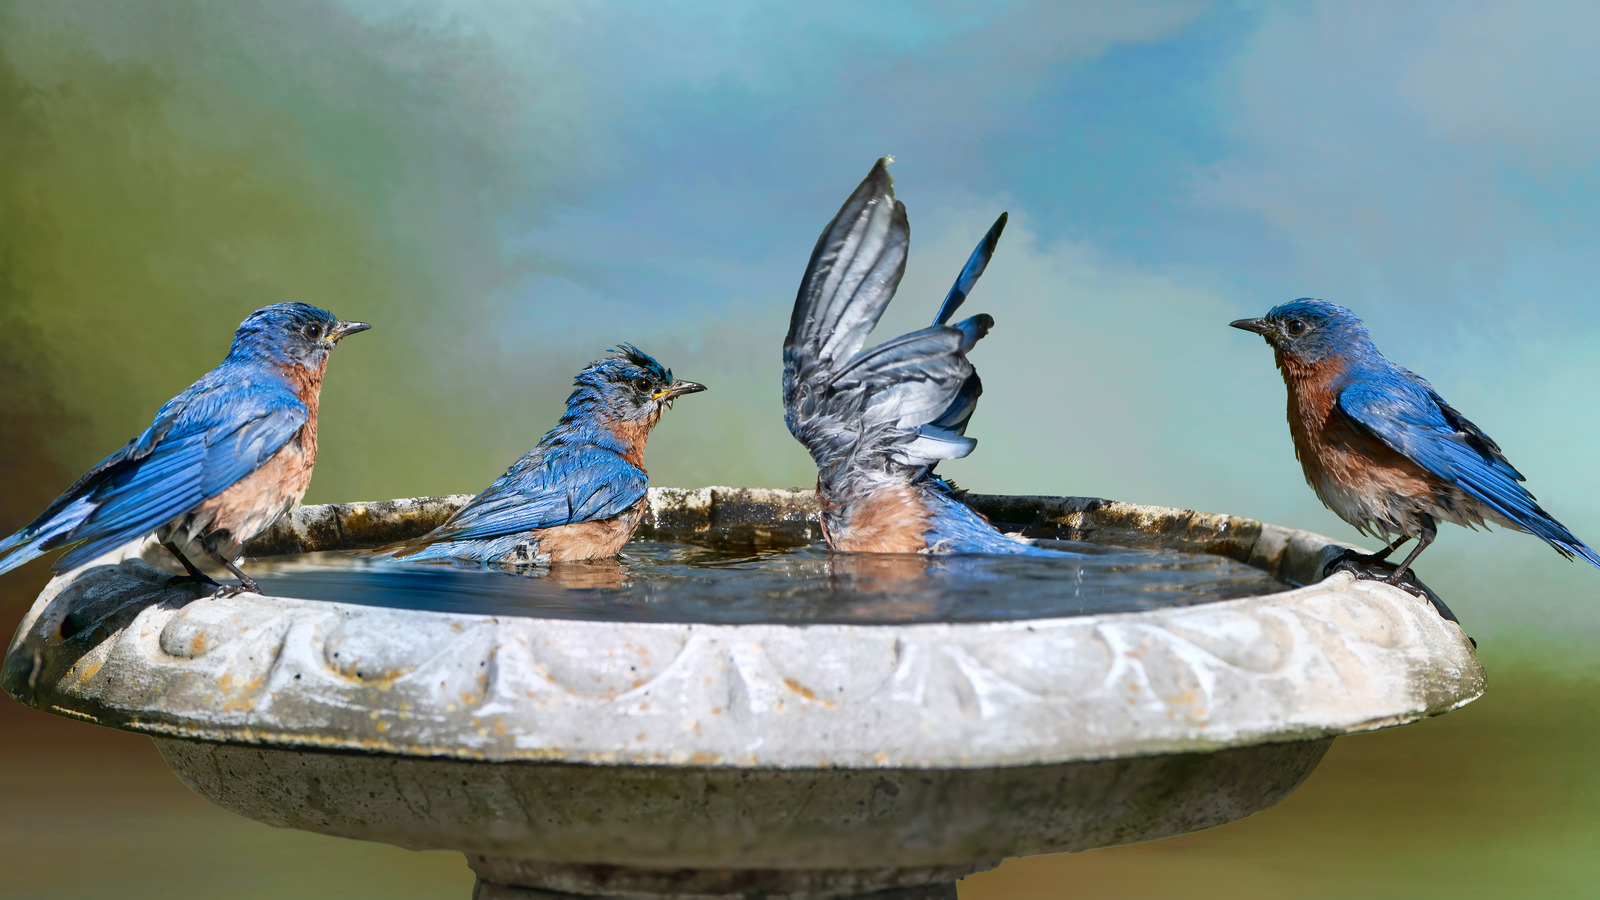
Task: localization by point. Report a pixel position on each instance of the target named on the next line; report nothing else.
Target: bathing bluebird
(1381, 448)
(878, 421)
(221, 462)
(581, 492)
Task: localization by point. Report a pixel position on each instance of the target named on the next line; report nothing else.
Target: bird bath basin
(632, 744)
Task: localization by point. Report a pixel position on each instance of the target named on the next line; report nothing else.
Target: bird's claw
(225, 591)
(1409, 585)
(1367, 568)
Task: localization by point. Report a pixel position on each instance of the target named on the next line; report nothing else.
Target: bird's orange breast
(591, 540)
(891, 520)
(1336, 454)
(251, 504)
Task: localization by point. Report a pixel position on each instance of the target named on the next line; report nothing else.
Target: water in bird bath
(733, 582)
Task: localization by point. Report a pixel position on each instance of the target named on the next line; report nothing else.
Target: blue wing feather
(202, 442)
(1401, 410)
(976, 263)
(551, 486)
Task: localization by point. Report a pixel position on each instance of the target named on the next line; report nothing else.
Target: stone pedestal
(604, 759)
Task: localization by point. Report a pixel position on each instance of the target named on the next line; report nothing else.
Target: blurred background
(506, 189)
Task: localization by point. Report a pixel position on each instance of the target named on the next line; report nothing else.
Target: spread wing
(550, 486)
(1404, 412)
(852, 276)
(976, 263)
(960, 411)
(891, 412)
(202, 442)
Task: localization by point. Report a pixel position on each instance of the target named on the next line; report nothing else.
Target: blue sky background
(506, 189)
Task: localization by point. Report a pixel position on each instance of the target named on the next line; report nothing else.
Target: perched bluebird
(581, 492)
(1381, 448)
(221, 462)
(878, 421)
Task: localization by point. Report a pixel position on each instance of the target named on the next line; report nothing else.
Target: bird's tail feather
(402, 549)
(1556, 535)
(1506, 496)
(40, 538)
(17, 550)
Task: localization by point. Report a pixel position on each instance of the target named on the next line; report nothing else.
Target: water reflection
(716, 582)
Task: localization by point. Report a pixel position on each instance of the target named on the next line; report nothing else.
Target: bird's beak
(1259, 326)
(344, 329)
(675, 390)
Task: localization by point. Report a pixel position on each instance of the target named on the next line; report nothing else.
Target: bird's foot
(1369, 567)
(1408, 583)
(1365, 566)
(225, 591)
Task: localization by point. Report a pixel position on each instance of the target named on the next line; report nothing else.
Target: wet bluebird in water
(1381, 448)
(581, 492)
(221, 462)
(878, 421)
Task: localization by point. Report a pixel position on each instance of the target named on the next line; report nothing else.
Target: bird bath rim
(1334, 657)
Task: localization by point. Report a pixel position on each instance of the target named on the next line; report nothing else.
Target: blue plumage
(976, 263)
(877, 421)
(580, 493)
(180, 478)
(1382, 448)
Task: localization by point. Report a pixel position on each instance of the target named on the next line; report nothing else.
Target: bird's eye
(310, 331)
(644, 385)
(1296, 327)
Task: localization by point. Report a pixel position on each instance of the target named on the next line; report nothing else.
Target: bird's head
(1308, 331)
(631, 387)
(296, 333)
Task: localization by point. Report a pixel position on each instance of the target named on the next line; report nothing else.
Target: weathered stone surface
(122, 648)
(825, 753)
(719, 830)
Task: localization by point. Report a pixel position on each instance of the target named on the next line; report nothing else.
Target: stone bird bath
(646, 759)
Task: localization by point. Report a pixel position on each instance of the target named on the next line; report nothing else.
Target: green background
(505, 190)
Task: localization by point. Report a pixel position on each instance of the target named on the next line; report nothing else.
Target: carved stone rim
(114, 646)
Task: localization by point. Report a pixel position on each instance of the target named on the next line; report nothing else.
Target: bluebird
(581, 492)
(1382, 449)
(221, 462)
(878, 421)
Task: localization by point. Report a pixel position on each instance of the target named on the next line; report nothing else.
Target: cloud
(1515, 77)
(1381, 168)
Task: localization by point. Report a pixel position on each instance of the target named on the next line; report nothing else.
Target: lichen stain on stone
(247, 700)
(382, 680)
(807, 693)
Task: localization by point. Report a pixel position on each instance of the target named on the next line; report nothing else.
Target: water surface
(662, 582)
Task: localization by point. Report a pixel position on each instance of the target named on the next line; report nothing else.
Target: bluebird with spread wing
(878, 421)
(1381, 448)
(221, 462)
(581, 492)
